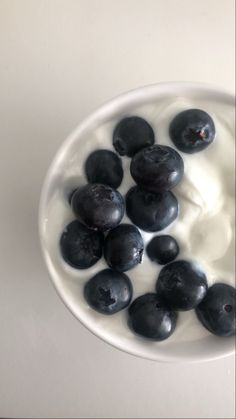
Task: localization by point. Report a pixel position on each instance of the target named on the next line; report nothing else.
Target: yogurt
(204, 229)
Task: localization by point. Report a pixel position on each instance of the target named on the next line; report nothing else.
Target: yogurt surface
(204, 229)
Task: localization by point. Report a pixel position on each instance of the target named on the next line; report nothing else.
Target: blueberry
(149, 318)
(80, 246)
(123, 247)
(70, 195)
(181, 285)
(108, 291)
(162, 249)
(104, 166)
(131, 134)
(217, 310)
(98, 206)
(192, 130)
(149, 211)
(157, 168)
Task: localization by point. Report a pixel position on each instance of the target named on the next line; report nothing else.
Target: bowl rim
(130, 96)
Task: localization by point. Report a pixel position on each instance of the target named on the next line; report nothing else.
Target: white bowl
(68, 286)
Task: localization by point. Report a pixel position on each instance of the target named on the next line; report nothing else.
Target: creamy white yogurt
(204, 229)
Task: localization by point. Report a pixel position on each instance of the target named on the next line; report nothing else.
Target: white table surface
(60, 59)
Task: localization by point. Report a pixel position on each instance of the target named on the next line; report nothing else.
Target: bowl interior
(190, 342)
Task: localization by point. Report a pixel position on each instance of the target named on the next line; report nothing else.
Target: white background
(60, 59)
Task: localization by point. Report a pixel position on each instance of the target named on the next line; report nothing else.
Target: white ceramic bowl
(192, 349)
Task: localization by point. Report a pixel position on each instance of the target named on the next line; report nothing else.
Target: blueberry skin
(104, 166)
(80, 246)
(108, 291)
(131, 134)
(151, 212)
(192, 130)
(157, 168)
(217, 310)
(162, 249)
(149, 318)
(181, 285)
(70, 196)
(123, 248)
(98, 206)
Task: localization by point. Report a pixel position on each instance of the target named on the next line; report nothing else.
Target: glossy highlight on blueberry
(108, 291)
(81, 247)
(157, 168)
(192, 130)
(123, 248)
(104, 166)
(98, 206)
(182, 285)
(149, 318)
(217, 311)
(151, 211)
(131, 134)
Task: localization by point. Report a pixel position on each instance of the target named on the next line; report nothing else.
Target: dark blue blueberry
(151, 211)
(162, 249)
(157, 168)
(217, 310)
(181, 285)
(80, 246)
(99, 207)
(70, 196)
(131, 134)
(104, 166)
(108, 291)
(149, 318)
(123, 247)
(192, 130)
